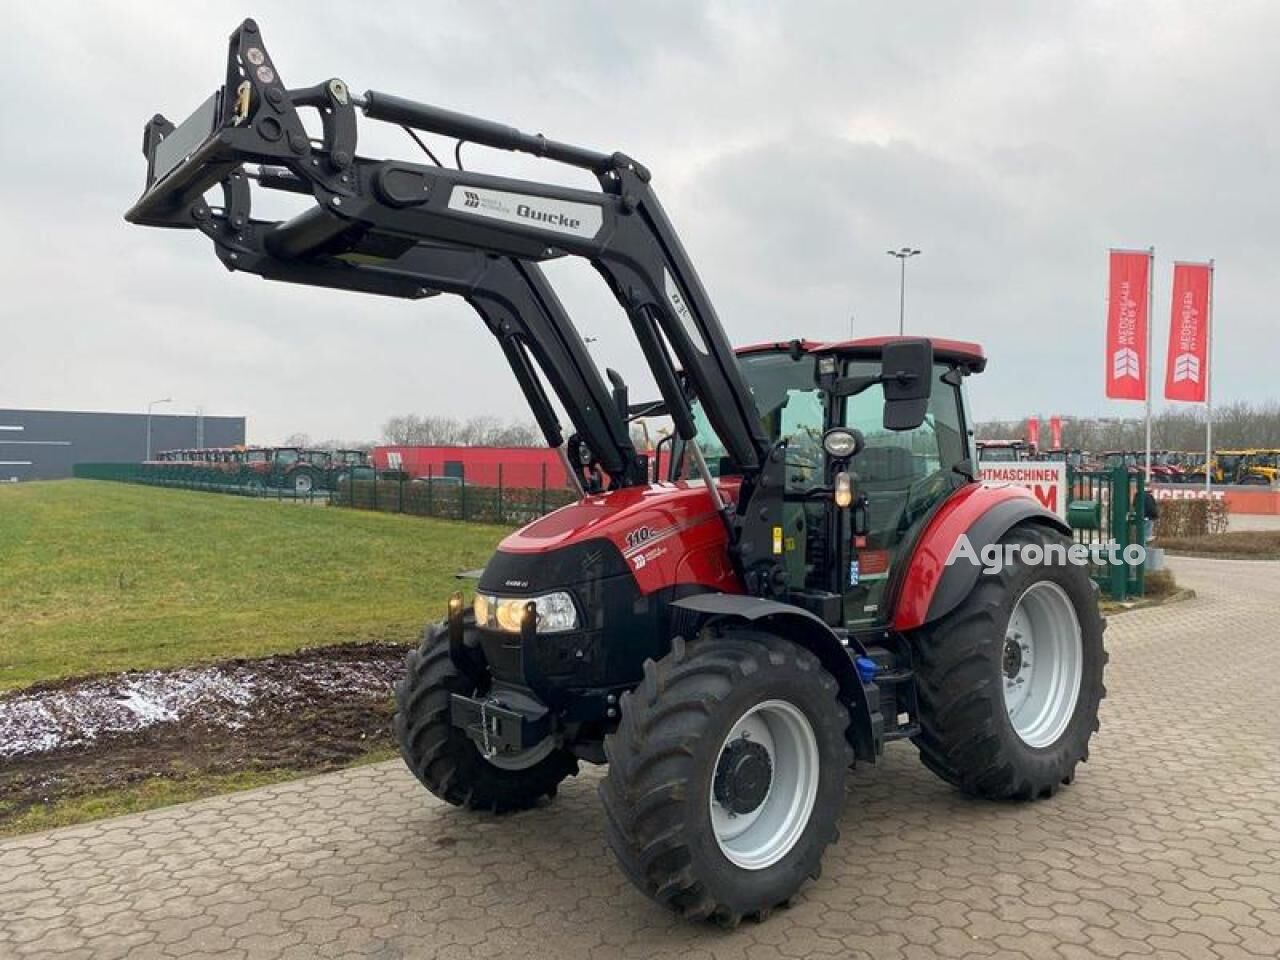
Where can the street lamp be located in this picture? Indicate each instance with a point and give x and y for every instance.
(149, 406)
(903, 255)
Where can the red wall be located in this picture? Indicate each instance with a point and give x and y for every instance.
(521, 466)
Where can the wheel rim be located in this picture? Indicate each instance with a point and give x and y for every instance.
(302, 483)
(760, 836)
(1043, 664)
(524, 758)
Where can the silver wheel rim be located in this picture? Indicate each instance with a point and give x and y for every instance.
(1043, 664)
(761, 837)
(302, 483)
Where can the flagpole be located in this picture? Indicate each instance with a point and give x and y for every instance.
(1208, 392)
(1151, 263)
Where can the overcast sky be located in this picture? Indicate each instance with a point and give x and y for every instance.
(791, 144)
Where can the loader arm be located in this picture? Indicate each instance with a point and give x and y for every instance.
(516, 303)
(513, 297)
(367, 208)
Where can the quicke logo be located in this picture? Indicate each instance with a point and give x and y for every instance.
(544, 216)
(472, 199)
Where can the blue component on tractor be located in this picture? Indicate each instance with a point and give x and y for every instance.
(867, 668)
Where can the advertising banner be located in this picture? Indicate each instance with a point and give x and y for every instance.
(1186, 373)
(1127, 305)
(1047, 479)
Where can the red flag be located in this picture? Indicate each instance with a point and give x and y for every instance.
(1055, 433)
(1033, 431)
(1127, 325)
(1186, 374)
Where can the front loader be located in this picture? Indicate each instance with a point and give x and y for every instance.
(785, 601)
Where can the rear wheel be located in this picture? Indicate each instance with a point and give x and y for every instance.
(444, 758)
(726, 775)
(302, 482)
(1010, 681)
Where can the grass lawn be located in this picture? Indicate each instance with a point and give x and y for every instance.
(1248, 544)
(98, 576)
(151, 794)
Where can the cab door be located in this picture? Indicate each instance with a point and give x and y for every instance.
(904, 475)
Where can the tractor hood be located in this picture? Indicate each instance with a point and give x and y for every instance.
(664, 534)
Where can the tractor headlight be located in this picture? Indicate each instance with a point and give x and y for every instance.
(555, 612)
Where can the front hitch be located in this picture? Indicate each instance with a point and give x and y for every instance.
(505, 721)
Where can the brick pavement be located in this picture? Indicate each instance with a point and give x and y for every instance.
(1168, 845)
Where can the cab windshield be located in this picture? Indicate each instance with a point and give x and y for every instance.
(790, 406)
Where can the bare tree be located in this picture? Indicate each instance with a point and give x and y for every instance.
(482, 431)
(1235, 425)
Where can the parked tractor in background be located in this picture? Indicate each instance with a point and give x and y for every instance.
(281, 468)
(1253, 467)
(1005, 451)
(1073, 457)
(732, 640)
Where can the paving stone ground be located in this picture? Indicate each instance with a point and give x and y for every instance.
(1168, 845)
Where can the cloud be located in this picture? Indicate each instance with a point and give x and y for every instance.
(791, 144)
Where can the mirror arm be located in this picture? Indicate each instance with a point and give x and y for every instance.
(852, 386)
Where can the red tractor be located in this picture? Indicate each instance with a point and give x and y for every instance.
(799, 591)
(1005, 451)
(282, 467)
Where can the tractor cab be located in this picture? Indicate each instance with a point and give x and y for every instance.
(805, 391)
(1071, 456)
(1003, 451)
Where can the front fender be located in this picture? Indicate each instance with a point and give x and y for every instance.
(930, 588)
(803, 628)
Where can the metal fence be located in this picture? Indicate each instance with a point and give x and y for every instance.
(452, 498)
(1105, 510)
(212, 478)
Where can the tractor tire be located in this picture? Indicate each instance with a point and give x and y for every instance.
(444, 758)
(736, 726)
(980, 730)
(302, 482)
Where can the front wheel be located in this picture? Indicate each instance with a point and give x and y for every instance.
(726, 775)
(444, 758)
(1009, 682)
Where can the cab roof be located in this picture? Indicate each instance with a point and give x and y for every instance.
(963, 352)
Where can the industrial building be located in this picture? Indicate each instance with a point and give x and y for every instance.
(46, 444)
(530, 467)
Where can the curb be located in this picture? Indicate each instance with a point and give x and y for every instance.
(1112, 609)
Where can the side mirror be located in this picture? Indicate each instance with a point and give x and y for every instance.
(906, 370)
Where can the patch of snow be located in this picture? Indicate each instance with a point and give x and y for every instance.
(215, 696)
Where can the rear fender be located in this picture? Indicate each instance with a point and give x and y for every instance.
(931, 588)
(803, 628)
